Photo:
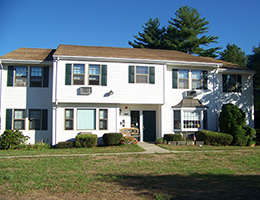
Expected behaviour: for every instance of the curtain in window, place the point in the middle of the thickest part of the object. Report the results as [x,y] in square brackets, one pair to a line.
[86,119]
[191,115]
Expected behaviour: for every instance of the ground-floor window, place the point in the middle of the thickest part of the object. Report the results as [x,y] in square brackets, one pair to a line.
[19,119]
[189,119]
[68,119]
[103,119]
[86,119]
[38,119]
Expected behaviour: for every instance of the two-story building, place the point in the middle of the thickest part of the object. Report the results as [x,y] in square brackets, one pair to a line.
[53,95]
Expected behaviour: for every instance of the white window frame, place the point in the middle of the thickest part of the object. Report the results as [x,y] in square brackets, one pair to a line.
[16,76]
[98,75]
[84,78]
[182,110]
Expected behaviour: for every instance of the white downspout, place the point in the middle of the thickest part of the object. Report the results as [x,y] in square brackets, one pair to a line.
[1,85]
[56,102]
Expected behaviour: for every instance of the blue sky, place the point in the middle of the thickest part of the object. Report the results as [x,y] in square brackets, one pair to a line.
[48,23]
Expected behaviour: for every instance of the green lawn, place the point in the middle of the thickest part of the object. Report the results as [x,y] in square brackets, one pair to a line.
[102,149]
[204,147]
[204,175]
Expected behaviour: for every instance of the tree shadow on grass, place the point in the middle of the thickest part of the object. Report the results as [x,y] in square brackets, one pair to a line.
[194,186]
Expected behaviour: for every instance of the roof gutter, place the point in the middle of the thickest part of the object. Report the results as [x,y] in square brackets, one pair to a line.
[11,61]
[237,71]
[134,60]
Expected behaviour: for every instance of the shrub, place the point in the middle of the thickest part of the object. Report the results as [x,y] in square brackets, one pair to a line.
[214,138]
[65,145]
[172,137]
[38,145]
[232,120]
[257,136]
[86,140]
[11,139]
[128,140]
[111,139]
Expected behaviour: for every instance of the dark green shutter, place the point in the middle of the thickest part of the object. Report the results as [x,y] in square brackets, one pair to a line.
[8,119]
[68,74]
[44,119]
[205,80]
[131,74]
[104,75]
[224,82]
[151,75]
[46,77]
[174,78]
[10,76]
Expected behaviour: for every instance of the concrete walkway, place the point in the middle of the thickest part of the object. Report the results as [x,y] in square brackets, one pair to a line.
[152,148]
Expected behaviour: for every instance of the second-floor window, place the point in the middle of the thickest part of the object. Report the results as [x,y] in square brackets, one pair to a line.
[141,74]
[20,76]
[78,74]
[232,83]
[35,76]
[95,74]
[181,79]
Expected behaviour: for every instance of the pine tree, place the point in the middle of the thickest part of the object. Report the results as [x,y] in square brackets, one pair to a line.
[186,33]
[151,37]
[234,54]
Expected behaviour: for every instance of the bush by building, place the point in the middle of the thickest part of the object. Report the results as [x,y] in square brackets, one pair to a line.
[12,139]
[214,138]
[172,137]
[65,145]
[232,120]
[86,140]
[111,139]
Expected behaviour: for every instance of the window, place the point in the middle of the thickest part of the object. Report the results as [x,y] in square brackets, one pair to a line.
[35,119]
[191,119]
[196,79]
[39,76]
[86,119]
[68,119]
[177,119]
[232,83]
[180,79]
[184,120]
[183,79]
[78,74]
[103,119]
[20,76]
[141,74]
[36,77]
[19,119]
[94,75]
[38,119]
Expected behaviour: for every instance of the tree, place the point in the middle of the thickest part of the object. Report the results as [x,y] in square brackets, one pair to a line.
[186,33]
[152,36]
[234,54]
[254,64]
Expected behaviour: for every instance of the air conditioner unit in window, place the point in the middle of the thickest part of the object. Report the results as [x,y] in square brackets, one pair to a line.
[85,90]
[190,94]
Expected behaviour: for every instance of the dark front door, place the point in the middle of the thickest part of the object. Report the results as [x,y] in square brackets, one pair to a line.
[149,126]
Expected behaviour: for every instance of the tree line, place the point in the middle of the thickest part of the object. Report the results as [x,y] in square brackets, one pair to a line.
[187,32]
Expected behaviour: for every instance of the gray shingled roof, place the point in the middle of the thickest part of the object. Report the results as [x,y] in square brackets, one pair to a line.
[189,103]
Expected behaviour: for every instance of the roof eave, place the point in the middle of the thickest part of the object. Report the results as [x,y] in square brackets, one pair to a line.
[17,61]
[237,71]
[136,60]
